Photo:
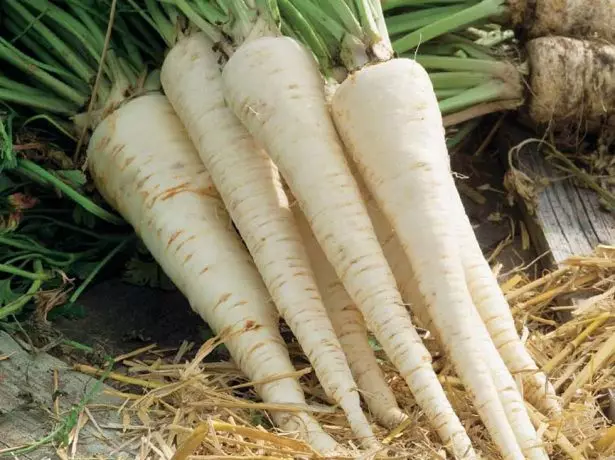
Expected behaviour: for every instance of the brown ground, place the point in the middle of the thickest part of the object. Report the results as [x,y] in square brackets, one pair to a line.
[121,318]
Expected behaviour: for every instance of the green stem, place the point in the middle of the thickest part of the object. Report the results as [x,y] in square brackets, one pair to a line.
[60,125]
[487,92]
[84,28]
[53,41]
[455,64]
[303,28]
[462,133]
[84,202]
[132,53]
[74,228]
[448,80]
[39,50]
[147,45]
[345,14]
[31,246]
[447,93]
[241,17]
[78,346]
[23,273]
[317,15]
[15,306]
[157,20]
[73,298]
[465,18]
[367,20]
[388,5]
[35,100]
[29,66]
[450,45]
[48,260]
[412,20]
[212,32]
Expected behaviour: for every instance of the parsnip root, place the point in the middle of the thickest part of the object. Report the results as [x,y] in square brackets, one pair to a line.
[251,189]
[145,166]
[400,151]
[282,104]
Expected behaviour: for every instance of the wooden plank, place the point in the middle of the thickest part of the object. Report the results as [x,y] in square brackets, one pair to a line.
[565,220]
[26,404]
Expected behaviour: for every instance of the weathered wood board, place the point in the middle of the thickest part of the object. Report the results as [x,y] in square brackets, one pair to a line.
[26,405]
[566,220]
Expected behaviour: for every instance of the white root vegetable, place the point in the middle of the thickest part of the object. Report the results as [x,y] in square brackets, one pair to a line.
[486,294]
[250,187]
[496,315]
[399,147]
[274,86]
[350,328]
[145,166]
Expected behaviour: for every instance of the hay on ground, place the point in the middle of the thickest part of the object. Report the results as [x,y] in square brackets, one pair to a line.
[179,408]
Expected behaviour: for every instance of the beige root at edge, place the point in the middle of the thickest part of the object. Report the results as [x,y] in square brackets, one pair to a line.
[589,19]
[145,166]
[572,81]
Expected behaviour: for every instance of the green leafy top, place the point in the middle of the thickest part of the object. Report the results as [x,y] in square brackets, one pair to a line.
[63,58]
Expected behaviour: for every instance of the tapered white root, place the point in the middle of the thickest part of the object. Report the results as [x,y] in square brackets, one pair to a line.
[352,332]
[486,294]
[145,166]
[282,103]
[495,313]
[250,187]
[400,151]
[513,404]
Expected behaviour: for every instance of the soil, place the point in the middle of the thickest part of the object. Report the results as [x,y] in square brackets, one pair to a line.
[121,317]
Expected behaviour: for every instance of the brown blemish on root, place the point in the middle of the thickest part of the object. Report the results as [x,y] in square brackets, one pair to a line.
[181,245]
[103,143]
[223,298]
[127,163]
[183,188]
[142,182]
[116,150]
[174,237]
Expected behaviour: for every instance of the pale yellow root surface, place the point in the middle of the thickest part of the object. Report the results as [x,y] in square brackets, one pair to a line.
[282,104]
[352,332]
[399,147]
[250,186]
[145,166]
